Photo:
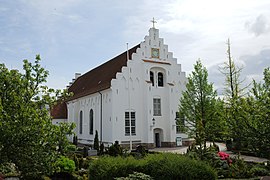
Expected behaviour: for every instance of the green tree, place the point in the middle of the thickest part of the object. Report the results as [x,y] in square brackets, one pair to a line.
[197,105]
[27,136]
[217,127]
[234,94]
[96,142]
[258,121]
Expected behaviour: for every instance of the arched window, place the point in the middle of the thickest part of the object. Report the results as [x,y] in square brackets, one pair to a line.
[160,79]
[152,78]
[91,121]
[81,122]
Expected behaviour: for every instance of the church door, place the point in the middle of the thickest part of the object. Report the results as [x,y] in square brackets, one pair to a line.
[157,140]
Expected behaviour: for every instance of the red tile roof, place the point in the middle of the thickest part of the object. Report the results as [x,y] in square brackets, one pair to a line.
[59,111]
[99,78]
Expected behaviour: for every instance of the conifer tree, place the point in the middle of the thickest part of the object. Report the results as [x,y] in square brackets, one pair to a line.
[234,92]
[258,121]
[96,141]
[197,105]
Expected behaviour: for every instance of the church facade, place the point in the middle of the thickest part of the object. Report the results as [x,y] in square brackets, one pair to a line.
[132,98]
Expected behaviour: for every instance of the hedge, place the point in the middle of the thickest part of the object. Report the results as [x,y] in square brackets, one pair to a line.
[159,166]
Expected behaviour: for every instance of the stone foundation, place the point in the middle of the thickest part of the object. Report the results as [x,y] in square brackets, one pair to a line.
[134,145]
[149,145]
[168,144]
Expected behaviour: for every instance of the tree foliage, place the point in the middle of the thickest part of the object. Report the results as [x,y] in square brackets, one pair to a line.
[240,117]
[234,99]
[247,116]
[96,141]
[27,136]
[258,117]
[198,106]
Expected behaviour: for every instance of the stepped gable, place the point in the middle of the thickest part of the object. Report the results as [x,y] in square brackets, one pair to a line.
[95,80]
[99,78]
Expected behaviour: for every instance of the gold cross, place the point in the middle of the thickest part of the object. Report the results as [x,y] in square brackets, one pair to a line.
[153,21]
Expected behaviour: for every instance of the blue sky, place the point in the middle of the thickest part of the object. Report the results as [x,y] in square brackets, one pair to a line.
[77,35]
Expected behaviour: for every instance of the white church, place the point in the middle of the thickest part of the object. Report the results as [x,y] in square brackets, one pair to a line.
[132,98]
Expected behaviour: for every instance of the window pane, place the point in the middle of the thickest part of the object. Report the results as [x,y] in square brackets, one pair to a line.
[126,114]
[127,130]
[160,79]
[81,122]
[133,115]
[133,122]
[157,107]
[91,123]
[152,78]
[126,122]
[133,131]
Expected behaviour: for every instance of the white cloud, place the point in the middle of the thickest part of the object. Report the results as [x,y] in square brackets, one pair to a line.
[79,29]
[260,26]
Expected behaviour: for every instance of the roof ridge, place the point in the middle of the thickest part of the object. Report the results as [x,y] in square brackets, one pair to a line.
[111,60]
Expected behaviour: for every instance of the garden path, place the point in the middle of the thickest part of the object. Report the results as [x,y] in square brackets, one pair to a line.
[222,147]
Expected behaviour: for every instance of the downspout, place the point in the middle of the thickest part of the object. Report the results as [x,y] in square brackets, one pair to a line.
[129,109]
[100,117]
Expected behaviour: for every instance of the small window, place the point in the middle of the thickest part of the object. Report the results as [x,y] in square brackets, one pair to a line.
[81,122]
[91,122]
[157,107]
[152,78]
[130,116]
[160,79]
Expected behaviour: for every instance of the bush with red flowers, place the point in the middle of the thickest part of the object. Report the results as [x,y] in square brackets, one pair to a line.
[223,155]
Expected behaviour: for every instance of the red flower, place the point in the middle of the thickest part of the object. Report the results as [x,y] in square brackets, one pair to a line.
[223,155]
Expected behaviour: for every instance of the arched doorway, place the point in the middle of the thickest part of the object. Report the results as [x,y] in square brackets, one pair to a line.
[158,137]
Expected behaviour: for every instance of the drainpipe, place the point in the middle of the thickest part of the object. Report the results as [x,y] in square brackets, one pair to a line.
[100,117]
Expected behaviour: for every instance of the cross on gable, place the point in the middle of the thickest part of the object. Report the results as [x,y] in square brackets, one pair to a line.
[153,21]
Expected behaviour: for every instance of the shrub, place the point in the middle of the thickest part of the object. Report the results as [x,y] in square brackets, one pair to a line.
[109,167]
[221,162]
[259,170]
[71,148]
[115,149]
[64,164]
[101,151]
[173,166]
[223,155]
[158,166]
[239,168]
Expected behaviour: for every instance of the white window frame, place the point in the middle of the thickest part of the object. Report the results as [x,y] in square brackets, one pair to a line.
[157,107]
[133,123]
